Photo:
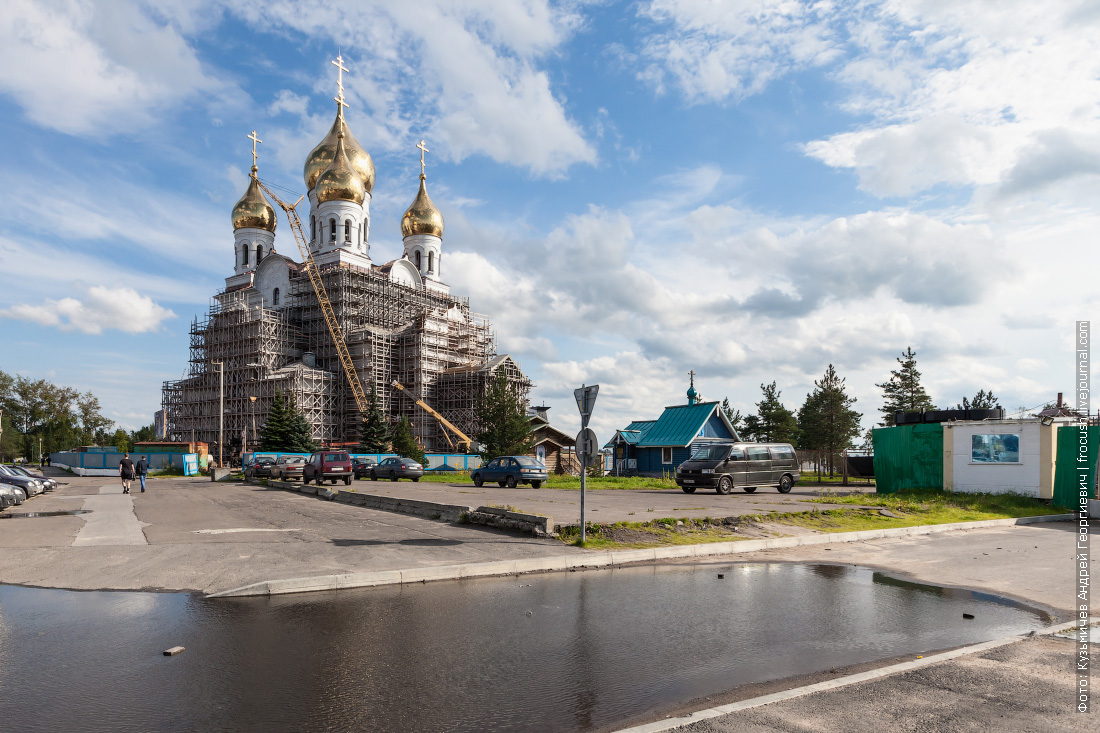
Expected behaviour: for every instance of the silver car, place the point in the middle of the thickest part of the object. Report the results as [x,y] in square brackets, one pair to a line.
[31,486]
[22,471]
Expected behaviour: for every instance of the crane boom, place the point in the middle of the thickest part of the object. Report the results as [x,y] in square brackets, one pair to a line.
[322,298]
[462,437]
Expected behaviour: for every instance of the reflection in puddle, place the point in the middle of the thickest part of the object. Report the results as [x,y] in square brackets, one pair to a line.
[556,652]
[33,515]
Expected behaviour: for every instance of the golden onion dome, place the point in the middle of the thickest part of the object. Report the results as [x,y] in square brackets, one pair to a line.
[322,155]
[422,217]
[253,209]
[339,181]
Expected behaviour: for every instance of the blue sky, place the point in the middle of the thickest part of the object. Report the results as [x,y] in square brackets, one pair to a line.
[632,190]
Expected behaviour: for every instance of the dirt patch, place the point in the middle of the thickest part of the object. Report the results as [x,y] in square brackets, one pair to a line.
[687,530]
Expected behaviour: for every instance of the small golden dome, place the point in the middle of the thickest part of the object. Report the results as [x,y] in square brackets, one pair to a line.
[422,217]
[339,182]
[321,156]
[253,209]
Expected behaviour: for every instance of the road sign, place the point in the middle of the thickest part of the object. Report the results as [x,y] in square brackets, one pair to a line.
[588,445]
[586,400]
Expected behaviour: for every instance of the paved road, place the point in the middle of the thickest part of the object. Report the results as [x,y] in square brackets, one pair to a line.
[190,534]
[605,505]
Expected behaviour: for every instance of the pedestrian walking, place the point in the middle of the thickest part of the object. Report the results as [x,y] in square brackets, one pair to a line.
[42,458]
[126,472]
[142,471]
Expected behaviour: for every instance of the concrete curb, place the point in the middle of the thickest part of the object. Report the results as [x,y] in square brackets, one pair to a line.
[600,559]
[715,712]
[413,507]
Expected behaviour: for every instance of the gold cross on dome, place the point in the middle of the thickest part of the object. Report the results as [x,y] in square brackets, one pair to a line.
[420,146]
[339,64]
[254,140]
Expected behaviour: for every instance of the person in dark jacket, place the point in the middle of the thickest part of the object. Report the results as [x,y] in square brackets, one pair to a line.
[126,472]
[142,469]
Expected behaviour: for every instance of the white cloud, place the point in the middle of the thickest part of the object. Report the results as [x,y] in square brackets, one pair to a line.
[466,75]
[97,68]
[120,308]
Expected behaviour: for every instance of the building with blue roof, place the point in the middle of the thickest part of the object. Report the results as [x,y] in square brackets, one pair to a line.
[657,447]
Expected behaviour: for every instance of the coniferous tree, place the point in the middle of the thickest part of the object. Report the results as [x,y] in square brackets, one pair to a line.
[982,400]
[404,444]
[374,433]
[775,423]
[734,416]
[903,392]
[505,429]
[826,420]
[299,433]
[273,433]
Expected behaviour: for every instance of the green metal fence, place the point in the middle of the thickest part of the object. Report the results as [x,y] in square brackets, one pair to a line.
[1070,473]
[908,457]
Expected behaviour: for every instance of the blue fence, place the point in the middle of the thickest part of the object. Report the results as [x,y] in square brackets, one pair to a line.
[435,461]
[97,459]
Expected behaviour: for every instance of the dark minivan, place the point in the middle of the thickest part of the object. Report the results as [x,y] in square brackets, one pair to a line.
[748,466]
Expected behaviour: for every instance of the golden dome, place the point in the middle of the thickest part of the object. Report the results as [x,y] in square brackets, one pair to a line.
[253,210]
[339,181]
[321,156]
[422,217]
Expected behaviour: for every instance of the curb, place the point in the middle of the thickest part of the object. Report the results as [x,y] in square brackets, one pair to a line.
[593,559]
[715,712]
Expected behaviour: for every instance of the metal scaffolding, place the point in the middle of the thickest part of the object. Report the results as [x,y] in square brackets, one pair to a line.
[425,339]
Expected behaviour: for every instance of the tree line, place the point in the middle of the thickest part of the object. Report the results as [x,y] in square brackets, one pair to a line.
[827,420]
[38,414]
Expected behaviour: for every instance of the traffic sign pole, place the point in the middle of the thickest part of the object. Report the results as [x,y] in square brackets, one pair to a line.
[586,400]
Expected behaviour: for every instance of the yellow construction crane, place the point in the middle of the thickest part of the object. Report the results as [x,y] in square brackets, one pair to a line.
[322,297]
[463,440]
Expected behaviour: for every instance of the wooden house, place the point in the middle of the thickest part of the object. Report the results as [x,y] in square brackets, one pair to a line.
[657,447]
[552,446]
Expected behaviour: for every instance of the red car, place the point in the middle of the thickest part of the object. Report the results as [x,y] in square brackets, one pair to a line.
[331,465]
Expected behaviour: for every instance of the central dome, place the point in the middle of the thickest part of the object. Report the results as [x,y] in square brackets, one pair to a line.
[422,217]
[339,182]
[320,157]
[253,209]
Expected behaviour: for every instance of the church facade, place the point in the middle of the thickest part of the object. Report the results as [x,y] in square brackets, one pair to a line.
[265,331]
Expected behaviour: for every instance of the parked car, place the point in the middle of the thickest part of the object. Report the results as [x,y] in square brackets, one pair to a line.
[330,465]
[22,471]
[361,466]
[510,471]
[7,496]
[288,467]
[397,468]
[258,468]
[748,466]
[31,486]
[18,493]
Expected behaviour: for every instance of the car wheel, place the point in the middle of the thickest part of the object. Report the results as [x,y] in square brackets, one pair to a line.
[749,489]
[688,489]
[478,481]
[393,475]
[415,479]
[725,485]
[500,484]
[511,482]
[373,476]
[536,484]
[347,481]
[785,485]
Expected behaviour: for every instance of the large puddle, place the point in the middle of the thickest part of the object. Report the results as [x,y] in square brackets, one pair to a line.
[560,652]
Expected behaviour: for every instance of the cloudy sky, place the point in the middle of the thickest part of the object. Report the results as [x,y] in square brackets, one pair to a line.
[751,190]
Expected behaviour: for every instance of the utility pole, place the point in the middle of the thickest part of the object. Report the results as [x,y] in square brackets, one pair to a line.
[221,410]
[253,398]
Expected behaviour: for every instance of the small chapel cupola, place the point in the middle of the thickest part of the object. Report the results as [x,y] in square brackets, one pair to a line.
[329,170]
[253,222]
[422,230]
[692,395]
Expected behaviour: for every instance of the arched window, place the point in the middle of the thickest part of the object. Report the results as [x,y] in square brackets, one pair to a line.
[418,259]
[332,230]
[347,230]
[312,227]
[431,262]
[244,255]
[360,240]
[275,297]
[259,253]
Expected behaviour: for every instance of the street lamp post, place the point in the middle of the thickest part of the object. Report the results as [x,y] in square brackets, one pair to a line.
[221,411]
[252,399]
